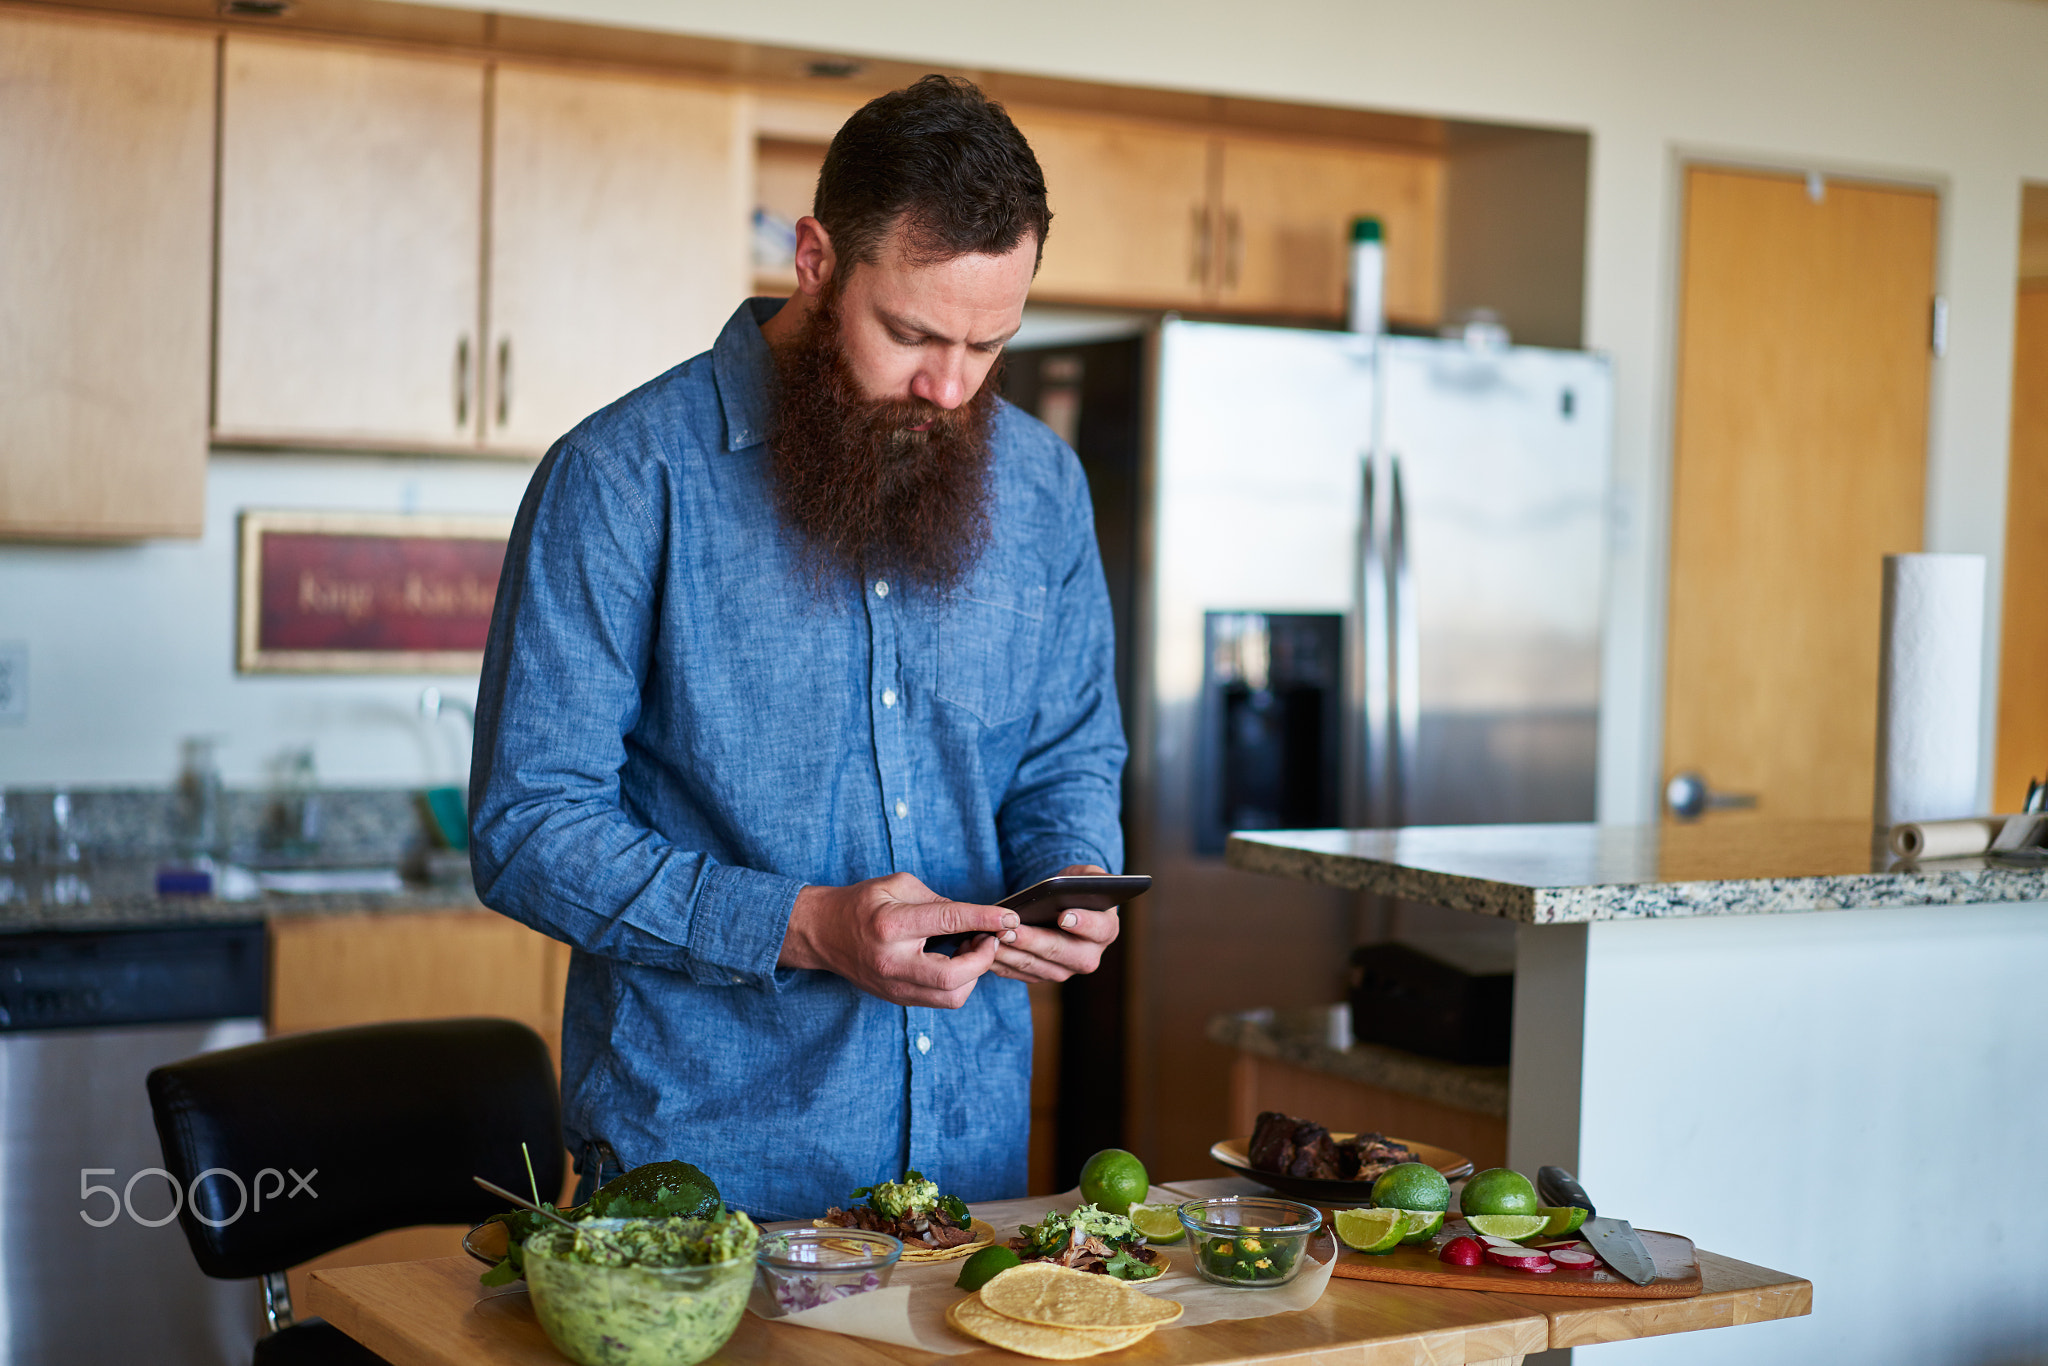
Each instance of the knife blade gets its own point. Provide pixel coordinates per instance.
(1615, 1241)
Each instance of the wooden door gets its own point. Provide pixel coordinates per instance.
(1286, 212)
(1131, 219)
(351, 208)
(618, 241)
(106, 216)
(2023, 655)
(1799, 463)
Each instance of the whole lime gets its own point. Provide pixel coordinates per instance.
(985, 1265)
(1412, 1185)
(1114, 1180)
(1497, 1190)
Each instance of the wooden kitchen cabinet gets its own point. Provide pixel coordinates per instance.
(106, 145)
(1284, 231)
(616, 249)
(1131, 214)
(390, 281)
(351, 206)
(328, 971)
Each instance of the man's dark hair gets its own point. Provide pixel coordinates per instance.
(942, 158)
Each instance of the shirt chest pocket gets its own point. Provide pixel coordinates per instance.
(987, 648)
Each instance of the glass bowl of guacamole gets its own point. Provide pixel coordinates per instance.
(637, 1292)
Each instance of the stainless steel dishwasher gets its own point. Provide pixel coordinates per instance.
(93, 1268)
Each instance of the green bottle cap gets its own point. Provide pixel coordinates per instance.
(1365, 229)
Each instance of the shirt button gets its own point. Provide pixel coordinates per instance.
(881, 588)
(902, 808)
(888, 697)
(737, 979)
(924, 1043)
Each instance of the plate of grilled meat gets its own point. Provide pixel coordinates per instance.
(1301, 1158)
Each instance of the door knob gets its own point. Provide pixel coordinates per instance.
(1688, 797)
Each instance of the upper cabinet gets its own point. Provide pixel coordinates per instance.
(617, 249)
(1132, 218)
(1152, 216)
(392, 277)
(350, 220)
(106, 148)
(1285, 211)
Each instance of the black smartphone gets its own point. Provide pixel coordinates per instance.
(1042, 902)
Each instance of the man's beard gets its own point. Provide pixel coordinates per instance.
(867, 493)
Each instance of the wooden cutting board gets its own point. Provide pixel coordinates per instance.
(1678, 1271)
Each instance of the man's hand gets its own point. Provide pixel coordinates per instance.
(1035, 954)
(873, 934)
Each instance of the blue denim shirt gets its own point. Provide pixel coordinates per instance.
(675, 733)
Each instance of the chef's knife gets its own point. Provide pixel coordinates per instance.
(1615, 1240)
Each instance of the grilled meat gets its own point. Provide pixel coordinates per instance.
(929, 1229)
(1293, 1146)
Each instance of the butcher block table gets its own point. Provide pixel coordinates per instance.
(433, 1313)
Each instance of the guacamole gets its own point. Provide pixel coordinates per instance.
(634, 1292)
(894, 1199)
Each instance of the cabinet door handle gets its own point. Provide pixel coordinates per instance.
(1198, 266)
(504, 380)
(1233, 247)
(462, 380)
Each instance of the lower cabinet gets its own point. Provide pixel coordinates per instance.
(327, 972)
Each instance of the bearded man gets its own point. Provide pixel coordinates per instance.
(802, 655)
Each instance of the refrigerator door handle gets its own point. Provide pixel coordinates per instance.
(1369, 645)
(1405, 675)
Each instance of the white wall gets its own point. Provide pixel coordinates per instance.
(1949, 93)
(132, 647)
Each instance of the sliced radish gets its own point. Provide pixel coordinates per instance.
(1462, 1252)
(1491, 1241)
(1521, 1259)
(1569, 1244)
(1573, 1260)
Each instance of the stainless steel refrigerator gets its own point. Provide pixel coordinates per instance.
(1360, 582)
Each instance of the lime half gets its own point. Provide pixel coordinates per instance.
(1158, 1223)
(1371, 1230)
(1515, 1226)
(1562, 1219)
(1422, 1225)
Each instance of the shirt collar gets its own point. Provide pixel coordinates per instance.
(744, 369)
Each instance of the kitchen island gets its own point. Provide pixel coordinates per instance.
(1772, 1038)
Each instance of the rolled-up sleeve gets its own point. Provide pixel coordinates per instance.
(551, 842)
(1064, 801)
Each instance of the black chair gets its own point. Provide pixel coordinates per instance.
(310, 1142)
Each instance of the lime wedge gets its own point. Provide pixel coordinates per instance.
(1562, 1219)
(1158, 1223)
(1515, 1226)
(1422, 1225)
(1371, 1230)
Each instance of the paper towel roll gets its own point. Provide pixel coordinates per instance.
(1930, 672)
(1945, 839)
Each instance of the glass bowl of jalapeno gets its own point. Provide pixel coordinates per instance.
(1250, 1240)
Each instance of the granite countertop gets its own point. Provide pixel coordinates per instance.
(1300, 1037)
(1564, 874)
(124, 896)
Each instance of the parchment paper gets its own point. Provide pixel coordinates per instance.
(911, 1309)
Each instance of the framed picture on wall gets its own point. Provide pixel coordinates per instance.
(366, 593)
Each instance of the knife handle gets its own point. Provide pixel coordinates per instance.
(1555, 1186)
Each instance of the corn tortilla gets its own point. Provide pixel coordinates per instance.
(984, 1234)
(1039, 1292)
(976, 1320)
